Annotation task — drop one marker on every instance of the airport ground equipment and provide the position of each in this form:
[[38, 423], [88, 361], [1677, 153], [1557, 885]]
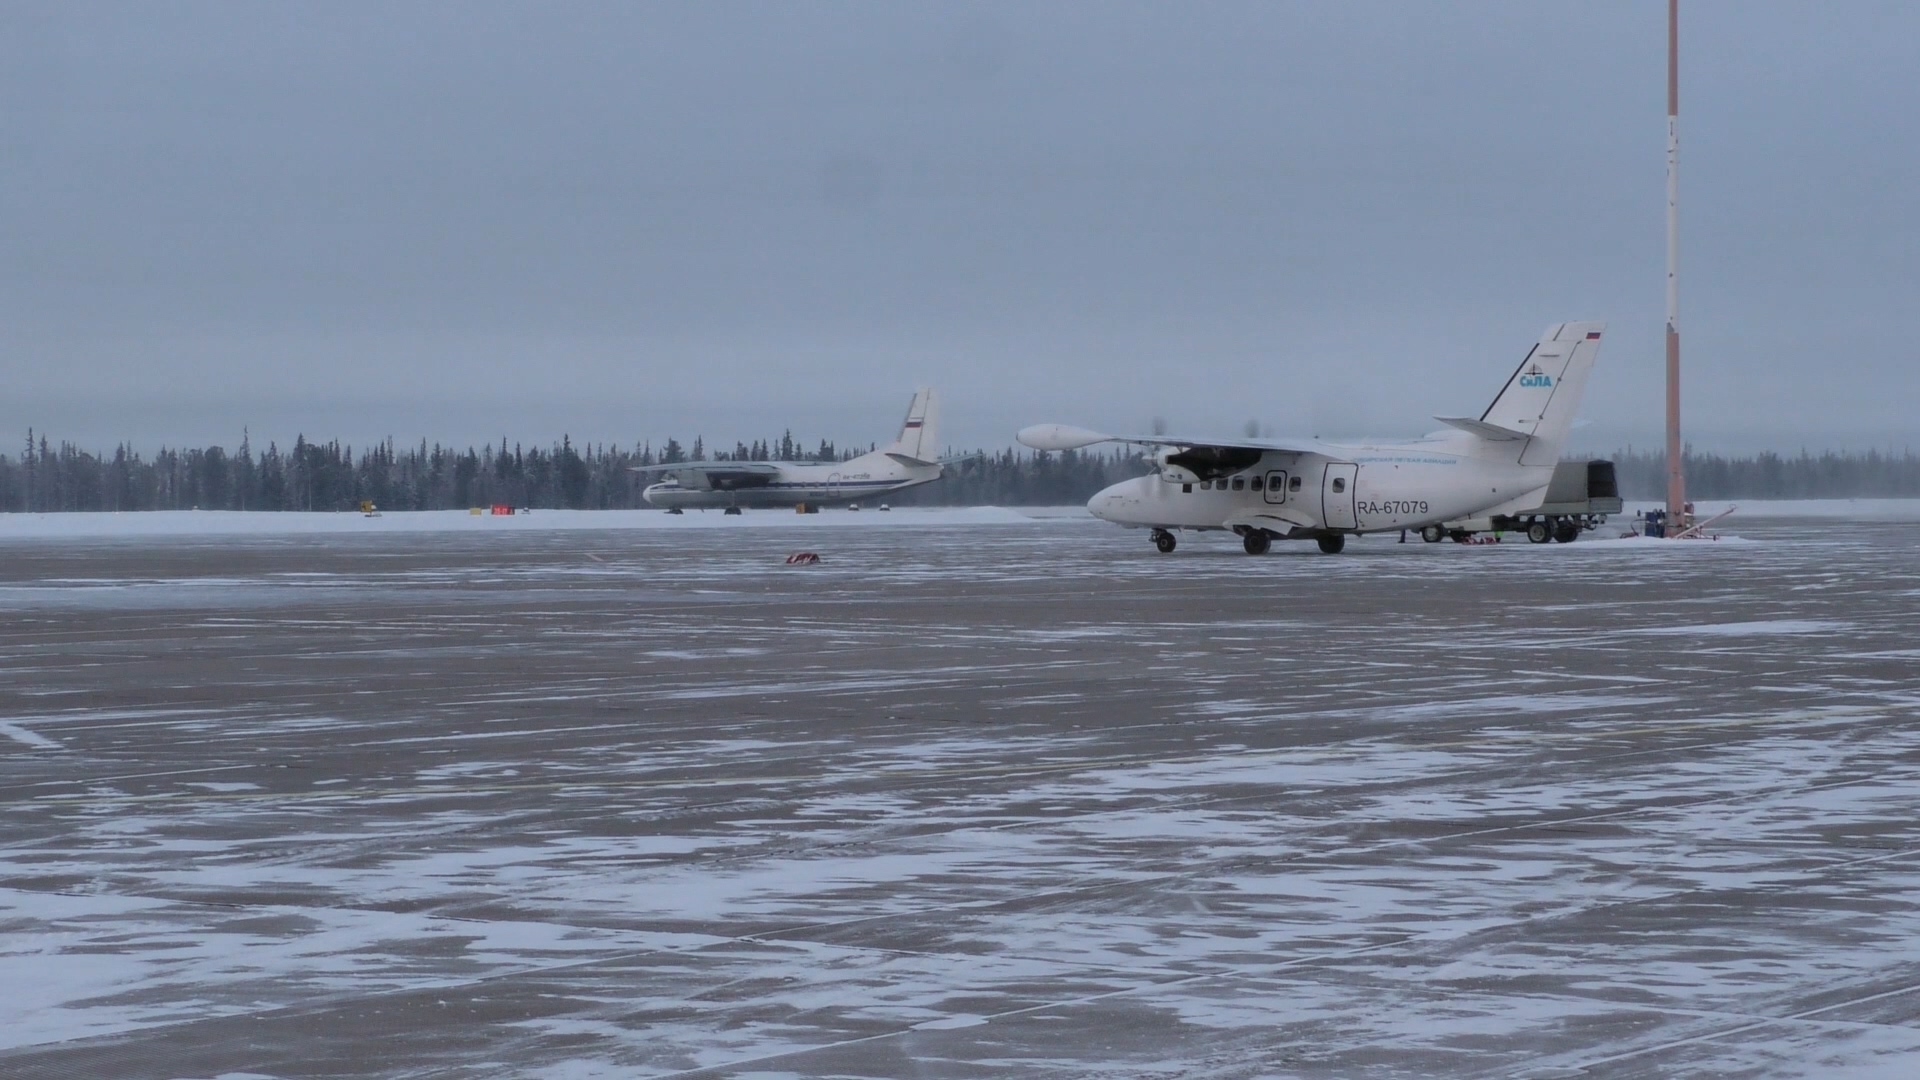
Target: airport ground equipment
[[1579, 499]]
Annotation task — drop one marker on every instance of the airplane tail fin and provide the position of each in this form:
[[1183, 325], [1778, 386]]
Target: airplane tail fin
[[920, 434], [1540, 397]]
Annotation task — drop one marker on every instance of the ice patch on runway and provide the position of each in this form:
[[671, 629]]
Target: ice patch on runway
[[28, 738], [1755, 628]]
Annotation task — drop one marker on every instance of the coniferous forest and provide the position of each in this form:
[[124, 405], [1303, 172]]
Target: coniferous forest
[[48, 476]]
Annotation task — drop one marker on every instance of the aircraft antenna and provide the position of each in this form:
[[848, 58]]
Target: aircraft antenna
[[1676, 481]]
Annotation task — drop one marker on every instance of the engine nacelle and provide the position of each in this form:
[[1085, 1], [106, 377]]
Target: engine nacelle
[[1173, 474]]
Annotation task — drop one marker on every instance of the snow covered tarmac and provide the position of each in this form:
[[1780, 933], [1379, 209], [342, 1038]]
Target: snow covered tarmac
[[962, 801]]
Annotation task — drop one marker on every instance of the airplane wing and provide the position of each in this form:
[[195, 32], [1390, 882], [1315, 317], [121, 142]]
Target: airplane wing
[[715, 475], [1068, 437], [745, 468]]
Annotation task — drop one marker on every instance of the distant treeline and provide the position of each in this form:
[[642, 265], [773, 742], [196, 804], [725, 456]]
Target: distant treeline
[[1829, 475], [329, 476]]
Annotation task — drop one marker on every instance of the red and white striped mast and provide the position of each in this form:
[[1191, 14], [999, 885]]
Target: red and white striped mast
[[1676, 482]]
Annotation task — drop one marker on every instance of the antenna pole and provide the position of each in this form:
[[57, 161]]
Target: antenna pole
[[1676, 481]]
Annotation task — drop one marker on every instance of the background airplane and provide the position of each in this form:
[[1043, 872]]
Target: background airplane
[[1309, 489], [909, 461]]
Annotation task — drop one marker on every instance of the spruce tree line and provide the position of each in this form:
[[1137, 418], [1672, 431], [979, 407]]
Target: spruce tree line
[[330, 476], [1873, 474]]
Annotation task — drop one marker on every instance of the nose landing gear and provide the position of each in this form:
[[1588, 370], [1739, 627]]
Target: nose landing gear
[[1163, 540]]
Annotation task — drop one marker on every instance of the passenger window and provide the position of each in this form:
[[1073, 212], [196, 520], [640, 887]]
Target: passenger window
[[1206, 485], [1254, 483], [1239, 483], [1339, 484], [1293, 484]]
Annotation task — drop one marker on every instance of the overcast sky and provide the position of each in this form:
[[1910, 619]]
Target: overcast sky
[[621, 221]]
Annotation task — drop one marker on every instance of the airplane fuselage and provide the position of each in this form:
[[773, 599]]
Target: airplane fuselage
[[792, 484], [1348, 489]]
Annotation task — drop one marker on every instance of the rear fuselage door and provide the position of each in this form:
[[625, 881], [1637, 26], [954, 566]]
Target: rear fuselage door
[[1336, 495]]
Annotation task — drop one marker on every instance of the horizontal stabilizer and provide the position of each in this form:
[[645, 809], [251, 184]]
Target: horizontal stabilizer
[[1482, 429], [909, 462]]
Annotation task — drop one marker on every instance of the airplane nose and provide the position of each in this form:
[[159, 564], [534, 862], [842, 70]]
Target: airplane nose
[[1105, 504]]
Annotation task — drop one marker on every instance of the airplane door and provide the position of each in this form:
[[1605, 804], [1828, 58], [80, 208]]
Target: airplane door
[[833, 485], [1276, 486], [1336, 494]]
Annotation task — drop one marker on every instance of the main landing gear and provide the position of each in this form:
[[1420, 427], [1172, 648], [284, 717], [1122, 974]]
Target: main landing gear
[[1257, 541], [1333, 543], [732, 510], [1560, 530], [1433, 534], [1163, 540]]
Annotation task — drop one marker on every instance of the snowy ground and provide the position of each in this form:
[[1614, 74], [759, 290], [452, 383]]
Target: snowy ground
[[239, 523], [188, 523], [1005, 799]]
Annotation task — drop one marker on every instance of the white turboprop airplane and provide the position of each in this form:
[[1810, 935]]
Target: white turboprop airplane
[[1306, 488], [910, 461]]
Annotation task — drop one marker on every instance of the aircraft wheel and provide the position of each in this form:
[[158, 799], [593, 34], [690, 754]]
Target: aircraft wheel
[[1433, 534], [731, 510], [1256, 542], [1566, 531], [1333, 543], [1164, 540], [676, 510], [1539, 533]]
